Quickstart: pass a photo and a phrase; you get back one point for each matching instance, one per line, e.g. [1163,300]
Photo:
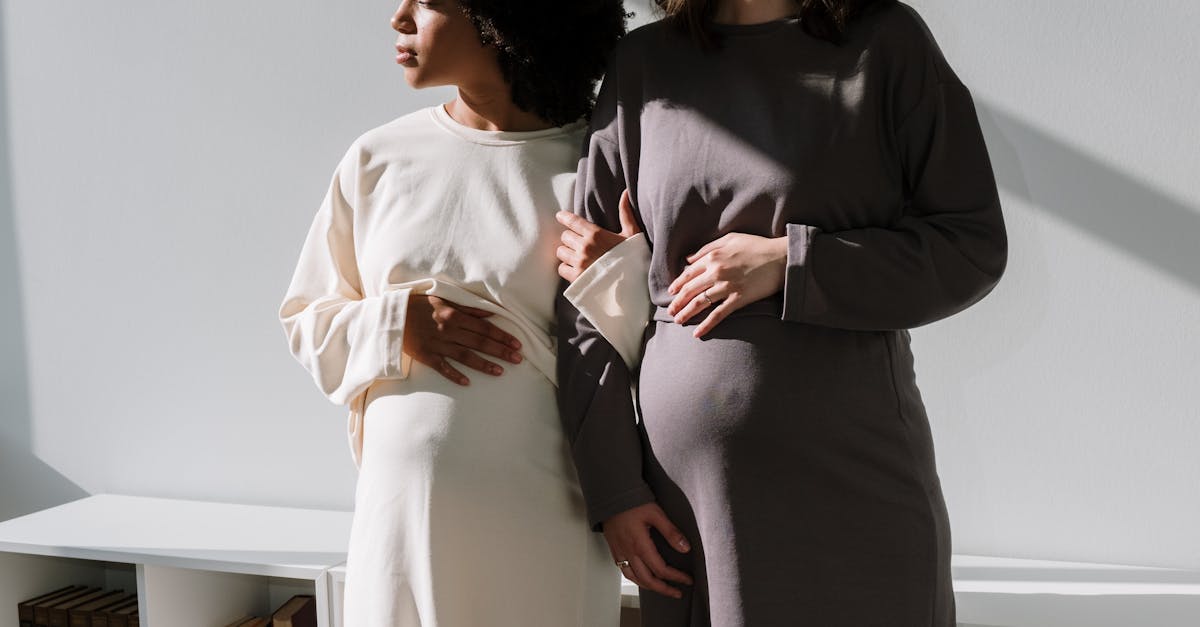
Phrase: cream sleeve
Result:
[344,339]
[612,294]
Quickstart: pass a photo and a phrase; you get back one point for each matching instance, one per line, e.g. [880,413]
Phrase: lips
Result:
[405,55]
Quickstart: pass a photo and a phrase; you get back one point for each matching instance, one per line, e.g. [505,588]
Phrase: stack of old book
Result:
[84,606]
[79,606]
[298,611]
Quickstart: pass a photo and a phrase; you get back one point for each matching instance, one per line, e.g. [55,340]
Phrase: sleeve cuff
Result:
[612,506]
[396,363]
[612,294]
[796,277]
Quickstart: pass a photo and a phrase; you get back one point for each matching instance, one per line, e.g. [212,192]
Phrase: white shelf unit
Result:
[200,564]
[192,563]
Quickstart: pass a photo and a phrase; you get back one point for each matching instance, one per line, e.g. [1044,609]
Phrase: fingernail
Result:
[497,370]
[683,544]
[515,344]
[515,357]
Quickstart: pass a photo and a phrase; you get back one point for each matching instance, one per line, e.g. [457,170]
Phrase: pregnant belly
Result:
[497,429]
[759,387]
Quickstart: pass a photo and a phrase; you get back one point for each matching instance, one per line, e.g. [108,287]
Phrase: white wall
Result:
[166,159]
[1066,406]
[162,162]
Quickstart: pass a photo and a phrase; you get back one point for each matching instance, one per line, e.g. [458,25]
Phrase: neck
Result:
[492,110]
[753,11]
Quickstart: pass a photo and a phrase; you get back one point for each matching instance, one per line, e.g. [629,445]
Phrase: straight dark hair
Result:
[823,19]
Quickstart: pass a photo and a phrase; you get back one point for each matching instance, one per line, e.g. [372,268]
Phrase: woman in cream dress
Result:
[435,242]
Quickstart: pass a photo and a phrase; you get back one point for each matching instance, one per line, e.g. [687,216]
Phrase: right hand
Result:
[628,536]
[436,329]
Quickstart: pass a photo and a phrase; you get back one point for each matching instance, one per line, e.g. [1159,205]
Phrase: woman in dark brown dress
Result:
[812,181]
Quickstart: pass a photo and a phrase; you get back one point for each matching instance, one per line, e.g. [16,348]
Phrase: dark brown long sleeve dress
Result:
[790,444]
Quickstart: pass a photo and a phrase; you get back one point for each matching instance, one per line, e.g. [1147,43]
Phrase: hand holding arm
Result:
[583,243]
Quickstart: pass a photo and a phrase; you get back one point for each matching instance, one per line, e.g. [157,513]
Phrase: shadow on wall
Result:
[1094,197]
[27,484]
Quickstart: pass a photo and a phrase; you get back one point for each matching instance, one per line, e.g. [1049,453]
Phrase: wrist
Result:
[779,250]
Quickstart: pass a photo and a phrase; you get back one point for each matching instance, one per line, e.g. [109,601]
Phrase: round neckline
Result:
[496,138]
[757,28]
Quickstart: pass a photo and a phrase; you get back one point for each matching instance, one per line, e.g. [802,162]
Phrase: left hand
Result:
[732,271]
[583,242]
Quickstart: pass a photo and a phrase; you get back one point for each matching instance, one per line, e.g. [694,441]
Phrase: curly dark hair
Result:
[823,19]
[551,52]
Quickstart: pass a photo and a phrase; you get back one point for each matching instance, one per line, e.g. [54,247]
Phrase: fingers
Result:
[629,225]
[629,537]
[704,298]
[714,317]
[654,571]
[488,338]
[570,273]
[659,568]
[443,367]
[572,240]
[469,339]
[435,358]
[669,531]
[627,571]
[689,273]
[488,330]
[583,242]
[452,373]
[636,571]
[471,359]
[571,257]
[462,334]
[582,251]
[691,296]
[646,579]
[578,224]
[472,334]
[707,248]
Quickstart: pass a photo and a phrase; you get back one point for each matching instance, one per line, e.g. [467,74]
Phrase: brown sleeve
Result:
[948,247]
[594,395]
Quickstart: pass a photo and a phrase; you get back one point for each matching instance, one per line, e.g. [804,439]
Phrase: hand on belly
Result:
[437,330]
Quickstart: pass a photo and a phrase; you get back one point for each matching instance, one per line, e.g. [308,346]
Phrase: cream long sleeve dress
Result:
[468,510]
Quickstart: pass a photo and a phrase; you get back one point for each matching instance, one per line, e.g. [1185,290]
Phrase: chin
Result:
[413,77]
[420,80]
